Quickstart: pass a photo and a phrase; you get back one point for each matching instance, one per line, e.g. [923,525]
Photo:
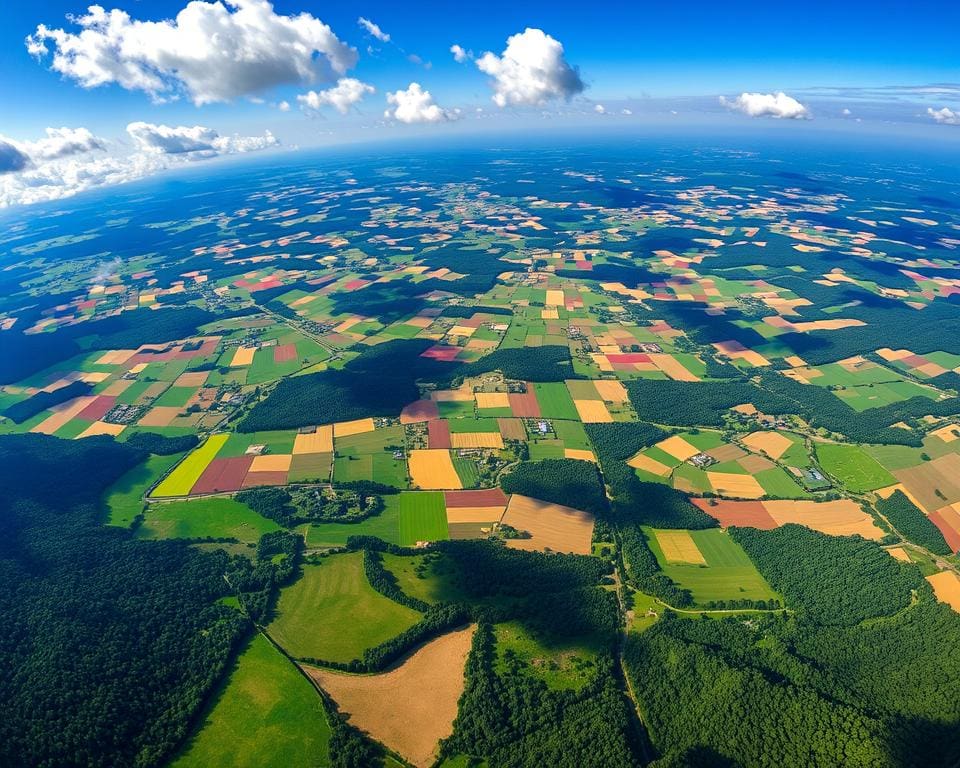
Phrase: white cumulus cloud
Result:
[945,116]
[415,105]
[62,142]
[776,105]
[460,54]
[374,29]
[212,51]
[600,109]
[346,93]
[182,139]
[531,71]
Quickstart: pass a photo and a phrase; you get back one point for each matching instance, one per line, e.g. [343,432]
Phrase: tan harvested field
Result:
[924,480]
[593,411]
[672,367]
[473,514]
[771,443]
[117,387]
[160,416]
[842,517]
[412,707]
[738,486]
[493,400]
[726,452]
[62,414]
[948,434]
[886,493]
[102,428]
[243,356]
[512,429]
[899,553]
[578,453]
[554,299]
[452,395]
[116,356]
[753,463]
[432,470]
[552,527]
[649,465]
[192,379]
[320,441]
[611,391]
[677,447]
[679,547]
[946,586]
[355,427]
[271,462]
[476,440]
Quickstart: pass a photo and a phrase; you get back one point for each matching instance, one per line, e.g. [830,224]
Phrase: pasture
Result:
[266,714]
[853,467]
[216,517]
[124,499]
[332,613]
[423,517]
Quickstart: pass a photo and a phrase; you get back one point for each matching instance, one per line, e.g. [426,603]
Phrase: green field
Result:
[267,714]
[569,666]
[728,575]
[555,401]
[467,471]
[332,613]
[181,480]
[777,483]
[425,577]
[124,498]
[384,526]
[423,517]
[853,467]
[215,517]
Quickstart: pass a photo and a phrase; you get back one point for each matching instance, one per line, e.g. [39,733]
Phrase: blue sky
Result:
[886,66]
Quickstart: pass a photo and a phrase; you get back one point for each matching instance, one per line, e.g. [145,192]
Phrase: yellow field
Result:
[62,414]
[117,387]
[243,356]
[191,379]
[493,400]
[271,462]
[593,411]
[552,527]
[432,470]
[412,707]
[611,391]
[899,553]
[116,357]
[554,299]
[476,440]
[102,428]
[577,453]
[827,325]
[842,517]
[355,427]
[160,416]
[452,395]
[672,367]
[771,443]
[890,355]
[462,330]
[600,360]
[948,433]
[946,586]
[737,486]
[679,547]
[320,441]
[474,514]
[649,465]
[677,447]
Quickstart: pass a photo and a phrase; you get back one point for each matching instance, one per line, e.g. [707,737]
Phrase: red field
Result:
[750,514]
[948,522]
[284,353]
[438,434]
[254,479]
[97,409]
[493,497]
[525,405]
[223,475]
[419,410]
[442,352]
[629,357]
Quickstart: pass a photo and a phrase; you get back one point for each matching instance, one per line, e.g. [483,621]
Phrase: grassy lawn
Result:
[467,471]
[423,517]
[569,666]
[852,466]
[181,480]
[384,526]
[332,613]
[217,517]
[776,482]
[124,498]
[728,575]
[555,401]
[425,577]
[267,714]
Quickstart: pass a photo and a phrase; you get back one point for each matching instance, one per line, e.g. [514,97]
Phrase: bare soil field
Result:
[552,527]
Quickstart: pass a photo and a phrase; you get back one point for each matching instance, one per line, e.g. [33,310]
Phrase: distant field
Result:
[555,401]
[265,715]
[216,517]
[728,575]
[857,470]
[124,498]
[423,517]
[181,480]
[332,613]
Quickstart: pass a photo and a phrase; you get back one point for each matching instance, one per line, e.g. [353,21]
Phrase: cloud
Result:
[181,139]
[284,106]
[211,51]
[347,92]
[62,142]
[531,71]
[846,112]
[944,116]
[600,109]
[12,159]
[776,105]
[415,105]
[374,30]
[460,55]
[626,111]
